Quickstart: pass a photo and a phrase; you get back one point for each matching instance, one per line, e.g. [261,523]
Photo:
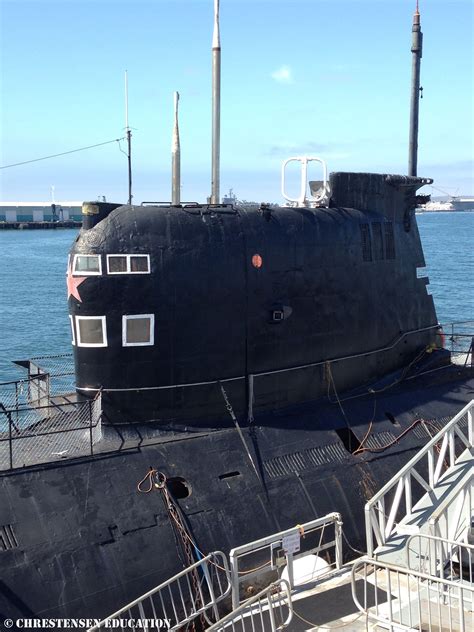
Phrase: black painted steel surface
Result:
[332,283]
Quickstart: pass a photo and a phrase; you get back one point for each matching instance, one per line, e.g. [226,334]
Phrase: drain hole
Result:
[178,487]
[392,419]
[348,438]
[228,475]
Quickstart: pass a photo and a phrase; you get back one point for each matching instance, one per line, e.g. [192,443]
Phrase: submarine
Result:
[265,365]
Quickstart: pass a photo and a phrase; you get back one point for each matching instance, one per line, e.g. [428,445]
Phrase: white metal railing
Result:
[282,549]
[440,557]
[383,510]
[303,199]
[401,599]
[268,611]
[195,591]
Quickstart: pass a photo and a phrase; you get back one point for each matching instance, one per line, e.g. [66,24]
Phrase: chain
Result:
[228,405]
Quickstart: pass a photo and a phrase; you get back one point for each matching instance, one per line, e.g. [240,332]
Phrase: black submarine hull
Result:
[87,542]
[268,317]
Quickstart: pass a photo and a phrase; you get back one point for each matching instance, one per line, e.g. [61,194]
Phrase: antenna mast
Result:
[216,107]
[175,157]
[416,92]
[129,141]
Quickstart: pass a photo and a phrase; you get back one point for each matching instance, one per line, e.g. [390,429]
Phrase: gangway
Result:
[444,471]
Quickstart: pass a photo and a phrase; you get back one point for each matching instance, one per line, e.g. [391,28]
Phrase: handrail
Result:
[279,543]
[198,603]
[406,590]
[376,519]
[444,549]
[255,606]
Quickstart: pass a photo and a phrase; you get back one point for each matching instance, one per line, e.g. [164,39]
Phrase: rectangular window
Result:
[116,264]
[72,330]
[128,264]
[138,330]
[87,265]
[91,331]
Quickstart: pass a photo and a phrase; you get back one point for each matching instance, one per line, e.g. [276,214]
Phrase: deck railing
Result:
[440,557]
[396,498]
[412,600]
[30,435]
[269,610]
[254,560]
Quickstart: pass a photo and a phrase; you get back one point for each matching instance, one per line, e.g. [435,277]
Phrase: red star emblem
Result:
[73,283]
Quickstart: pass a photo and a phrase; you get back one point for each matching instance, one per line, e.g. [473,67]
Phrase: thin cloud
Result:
[283,74]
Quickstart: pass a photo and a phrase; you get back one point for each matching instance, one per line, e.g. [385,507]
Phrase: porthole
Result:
[178,487]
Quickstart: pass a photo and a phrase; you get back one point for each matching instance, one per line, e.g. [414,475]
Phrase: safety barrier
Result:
[195,592]
[258,558]
[269,610]
[384,510]
[440,557]
[30,435]
[414,600]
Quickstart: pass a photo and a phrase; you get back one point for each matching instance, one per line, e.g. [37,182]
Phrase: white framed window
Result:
[91,331]
[73,335]
[87,265]
[138,330]
[128,264]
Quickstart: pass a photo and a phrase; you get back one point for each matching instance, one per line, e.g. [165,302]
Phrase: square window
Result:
[138,330]
[87,265]
[128,264]
[139,263]
[91,331]
[116,263]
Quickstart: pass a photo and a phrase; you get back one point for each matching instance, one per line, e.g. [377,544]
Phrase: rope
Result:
[149,475]
[64,153]
[332,627]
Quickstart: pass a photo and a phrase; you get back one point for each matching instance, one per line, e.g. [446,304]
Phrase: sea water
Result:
[33,307]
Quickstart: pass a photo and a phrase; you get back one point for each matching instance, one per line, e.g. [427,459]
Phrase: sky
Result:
[327,78]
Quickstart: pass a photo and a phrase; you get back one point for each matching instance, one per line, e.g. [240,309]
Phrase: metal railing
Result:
[42,434]
[269,610]
[195,592]
[395,499]
[440,557]
[256,559]
[459,337]
[410,600]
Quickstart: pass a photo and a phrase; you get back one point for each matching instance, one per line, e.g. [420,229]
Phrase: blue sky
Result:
[324,77]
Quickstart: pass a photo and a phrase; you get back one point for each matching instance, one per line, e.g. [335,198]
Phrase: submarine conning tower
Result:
[172,305]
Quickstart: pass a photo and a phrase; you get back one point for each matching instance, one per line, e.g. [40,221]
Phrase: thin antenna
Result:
[216,107]
[53,201]
[129,141]
[416,92]
[175,157]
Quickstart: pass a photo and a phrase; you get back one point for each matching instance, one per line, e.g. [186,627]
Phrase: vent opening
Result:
[228,475]
[178,487]
[349,439]
[7,538]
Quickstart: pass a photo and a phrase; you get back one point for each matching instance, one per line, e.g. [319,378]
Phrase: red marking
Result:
[257,261]
[73,283]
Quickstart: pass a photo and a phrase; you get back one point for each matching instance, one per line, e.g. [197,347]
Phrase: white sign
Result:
[291,543]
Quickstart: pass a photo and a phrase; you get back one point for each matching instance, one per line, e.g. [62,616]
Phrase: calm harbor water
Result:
[33,308]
